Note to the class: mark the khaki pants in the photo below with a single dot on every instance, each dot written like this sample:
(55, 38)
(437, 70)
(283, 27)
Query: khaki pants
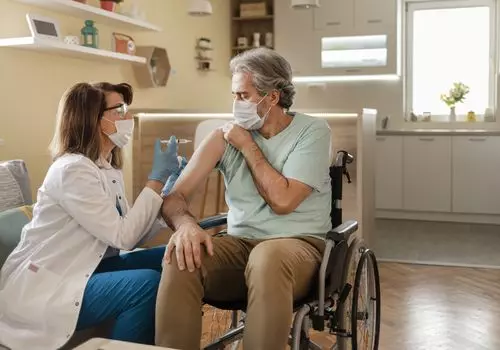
(271, 274)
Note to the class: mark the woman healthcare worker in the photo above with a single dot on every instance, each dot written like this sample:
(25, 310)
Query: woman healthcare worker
(66, 273)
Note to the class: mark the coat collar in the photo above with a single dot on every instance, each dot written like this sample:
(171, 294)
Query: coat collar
(104, 163)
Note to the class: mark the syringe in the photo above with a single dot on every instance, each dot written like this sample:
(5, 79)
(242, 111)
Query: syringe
(178, 141)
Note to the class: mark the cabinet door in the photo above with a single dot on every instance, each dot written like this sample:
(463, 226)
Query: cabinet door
(427, 173)
(476, 174)
(293, 32)
(389, 172)
(375, 16)
(334, 17)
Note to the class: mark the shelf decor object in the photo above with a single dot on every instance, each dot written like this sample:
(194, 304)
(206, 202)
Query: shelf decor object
(123, 43)
(85, 11)
(109, 5)
(203, 54)
(156, 71)
(90, 35)
(43, 27)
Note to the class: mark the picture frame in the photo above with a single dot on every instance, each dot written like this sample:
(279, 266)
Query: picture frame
(43, 27)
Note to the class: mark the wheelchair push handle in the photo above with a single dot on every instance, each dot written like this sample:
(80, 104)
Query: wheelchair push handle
(343, 158)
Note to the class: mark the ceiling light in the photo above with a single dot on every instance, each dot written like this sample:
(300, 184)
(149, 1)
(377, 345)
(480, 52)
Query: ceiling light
(200, 8)
(304, 4)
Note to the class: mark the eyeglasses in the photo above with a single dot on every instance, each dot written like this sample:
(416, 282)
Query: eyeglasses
(121, 109)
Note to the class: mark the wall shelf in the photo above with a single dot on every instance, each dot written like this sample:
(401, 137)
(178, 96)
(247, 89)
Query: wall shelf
(100, 16)
(253, 18)
(56, 47)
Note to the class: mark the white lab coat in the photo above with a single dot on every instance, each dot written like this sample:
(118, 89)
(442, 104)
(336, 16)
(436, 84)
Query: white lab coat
(75, 223)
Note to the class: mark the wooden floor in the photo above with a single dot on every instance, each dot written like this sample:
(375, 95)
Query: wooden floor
(426, 308)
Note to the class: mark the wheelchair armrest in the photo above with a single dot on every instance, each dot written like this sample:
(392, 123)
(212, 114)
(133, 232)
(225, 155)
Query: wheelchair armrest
(213, 221)
(343, 231)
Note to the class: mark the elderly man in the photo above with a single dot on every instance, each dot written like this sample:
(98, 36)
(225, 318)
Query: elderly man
(275, 166)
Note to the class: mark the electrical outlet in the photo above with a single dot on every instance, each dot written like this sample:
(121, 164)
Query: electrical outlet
(2, 142)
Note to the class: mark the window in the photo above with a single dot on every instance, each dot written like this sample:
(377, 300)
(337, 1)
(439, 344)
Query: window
(447, 42)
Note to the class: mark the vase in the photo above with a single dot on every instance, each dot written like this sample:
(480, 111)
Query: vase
(453, 116)
(108, 5)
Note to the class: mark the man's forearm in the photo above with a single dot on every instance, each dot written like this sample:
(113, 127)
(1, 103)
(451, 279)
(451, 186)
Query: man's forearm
(175, 211)
(271, 185)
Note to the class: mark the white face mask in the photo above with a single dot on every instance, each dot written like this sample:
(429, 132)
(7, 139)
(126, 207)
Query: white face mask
(245, 114)
(123, 134)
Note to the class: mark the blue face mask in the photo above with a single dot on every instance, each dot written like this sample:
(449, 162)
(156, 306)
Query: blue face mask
(246, 116)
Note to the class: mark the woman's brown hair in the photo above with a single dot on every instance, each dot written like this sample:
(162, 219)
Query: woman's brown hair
(80, 111)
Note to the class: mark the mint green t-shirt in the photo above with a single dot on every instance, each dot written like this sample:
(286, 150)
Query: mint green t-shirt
(301, 152)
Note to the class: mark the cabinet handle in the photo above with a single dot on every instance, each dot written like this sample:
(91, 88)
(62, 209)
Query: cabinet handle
(333, 23)
(374, 21)
(426, 138)
(477, 139)
(380, 139)
(352, 70)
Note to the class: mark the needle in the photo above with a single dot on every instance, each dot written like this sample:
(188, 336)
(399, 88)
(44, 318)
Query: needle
(178, 141)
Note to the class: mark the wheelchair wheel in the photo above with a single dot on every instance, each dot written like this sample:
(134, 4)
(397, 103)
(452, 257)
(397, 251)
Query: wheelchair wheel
(365, 312)
(344, 310)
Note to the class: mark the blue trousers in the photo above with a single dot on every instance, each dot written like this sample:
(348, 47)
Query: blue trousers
(124, 288)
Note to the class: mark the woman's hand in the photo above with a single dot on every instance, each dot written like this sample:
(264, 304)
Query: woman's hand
(173, 178)
(164, 162)
(187, 241)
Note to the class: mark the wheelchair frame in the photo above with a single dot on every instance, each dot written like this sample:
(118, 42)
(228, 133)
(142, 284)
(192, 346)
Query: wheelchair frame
(329, 303)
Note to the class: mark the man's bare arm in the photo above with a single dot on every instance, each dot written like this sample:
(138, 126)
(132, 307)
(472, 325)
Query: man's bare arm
(282, 194)
(175, 209)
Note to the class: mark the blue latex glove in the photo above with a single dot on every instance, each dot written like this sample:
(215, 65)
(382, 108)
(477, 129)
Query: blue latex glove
(165, 163)
(173, 178)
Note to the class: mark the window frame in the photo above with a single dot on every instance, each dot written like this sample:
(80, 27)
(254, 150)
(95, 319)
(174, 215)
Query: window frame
(410, 7)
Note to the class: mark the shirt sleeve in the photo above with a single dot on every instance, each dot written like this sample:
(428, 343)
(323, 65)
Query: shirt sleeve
(82, 195)
(159, 225)
(309, 161)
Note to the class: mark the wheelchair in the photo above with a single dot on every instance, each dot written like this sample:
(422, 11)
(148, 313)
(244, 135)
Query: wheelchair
(344, 301)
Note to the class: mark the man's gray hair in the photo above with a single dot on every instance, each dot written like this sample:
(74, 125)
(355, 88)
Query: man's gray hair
(269, 71)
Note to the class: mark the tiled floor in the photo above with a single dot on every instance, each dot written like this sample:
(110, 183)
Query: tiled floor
(438, 243)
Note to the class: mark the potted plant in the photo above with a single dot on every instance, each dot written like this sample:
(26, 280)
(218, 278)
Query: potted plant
(109, 5)
(456, 95)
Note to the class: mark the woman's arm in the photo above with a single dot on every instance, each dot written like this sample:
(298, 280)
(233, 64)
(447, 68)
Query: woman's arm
(83, 197)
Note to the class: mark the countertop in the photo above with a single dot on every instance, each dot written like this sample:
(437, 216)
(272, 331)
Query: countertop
(439, 132)
(199, 115)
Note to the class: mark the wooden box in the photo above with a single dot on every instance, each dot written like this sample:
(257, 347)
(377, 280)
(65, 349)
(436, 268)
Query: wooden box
(253, 9)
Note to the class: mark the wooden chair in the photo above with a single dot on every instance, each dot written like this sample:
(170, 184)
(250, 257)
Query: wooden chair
(202, 131)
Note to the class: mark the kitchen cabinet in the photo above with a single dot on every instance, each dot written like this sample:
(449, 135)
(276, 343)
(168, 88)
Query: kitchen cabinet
(375, 16)
(475, 177)
(334, 17)
(293, 37)
(427, 173)
(389, 172)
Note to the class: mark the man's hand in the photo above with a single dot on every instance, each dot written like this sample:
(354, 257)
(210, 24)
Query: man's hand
(237, 136)
(187, 242)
